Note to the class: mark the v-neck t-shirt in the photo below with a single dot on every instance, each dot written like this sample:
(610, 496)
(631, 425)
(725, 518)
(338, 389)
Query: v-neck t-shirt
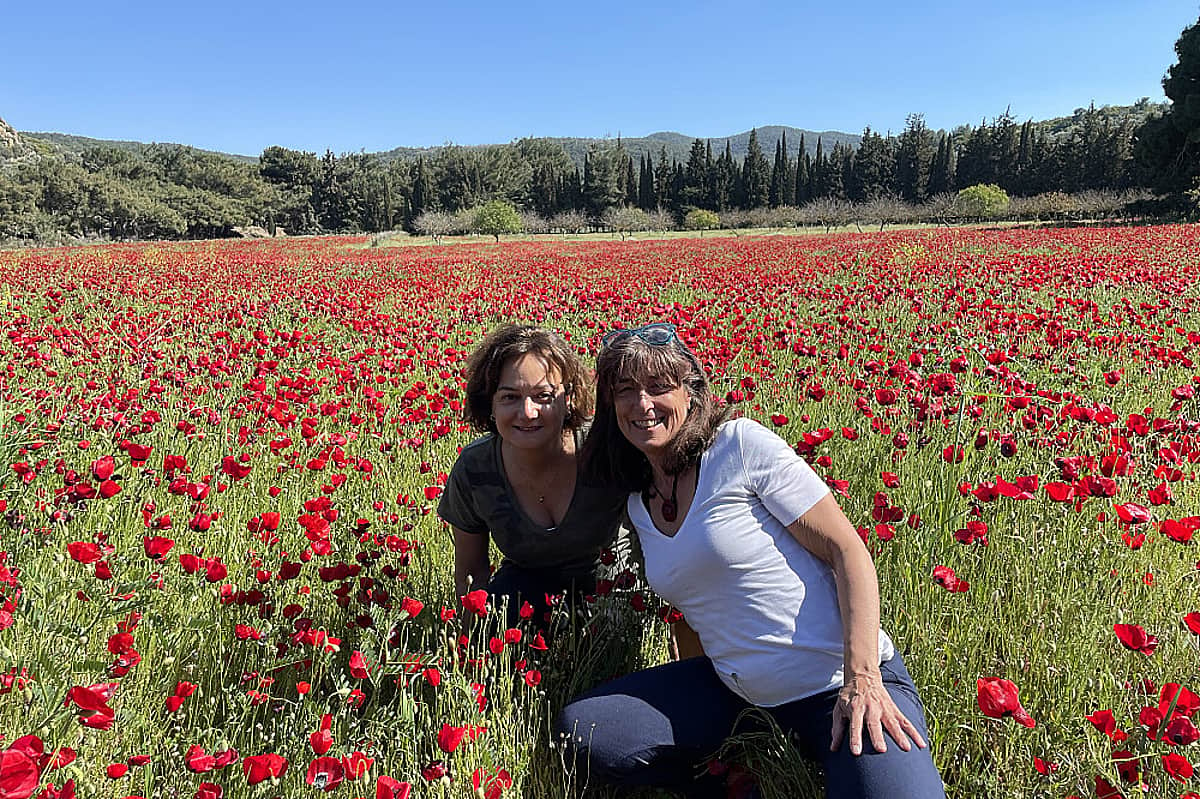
(764, 607)
(478, 499)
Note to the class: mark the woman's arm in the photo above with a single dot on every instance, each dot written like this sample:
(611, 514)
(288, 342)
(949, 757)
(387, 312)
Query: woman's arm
(471, 567)
(826, 532)
(684, 641)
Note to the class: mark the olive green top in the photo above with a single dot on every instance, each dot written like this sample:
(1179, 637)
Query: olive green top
(478, 499)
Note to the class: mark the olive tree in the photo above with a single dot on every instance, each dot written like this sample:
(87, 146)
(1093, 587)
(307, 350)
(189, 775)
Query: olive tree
(496, 217)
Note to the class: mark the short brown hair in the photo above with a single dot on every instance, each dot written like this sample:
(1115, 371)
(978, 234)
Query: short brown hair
(512, 341)
(608, 455)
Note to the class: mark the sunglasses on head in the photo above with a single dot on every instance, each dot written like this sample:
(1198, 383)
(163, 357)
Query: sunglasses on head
(658, 334)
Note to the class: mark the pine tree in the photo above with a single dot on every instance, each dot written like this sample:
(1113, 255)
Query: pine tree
(874, 169)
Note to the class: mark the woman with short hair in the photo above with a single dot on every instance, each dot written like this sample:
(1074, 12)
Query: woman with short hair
(519, 484)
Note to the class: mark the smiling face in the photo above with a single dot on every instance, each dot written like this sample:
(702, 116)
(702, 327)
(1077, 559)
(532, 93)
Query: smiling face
(649, 411)
(530, 403)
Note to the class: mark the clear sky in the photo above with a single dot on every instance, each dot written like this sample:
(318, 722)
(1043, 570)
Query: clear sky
(352, 75)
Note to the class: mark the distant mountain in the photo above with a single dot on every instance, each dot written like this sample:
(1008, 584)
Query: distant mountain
(1135, 114)
(68, 143)
(677, 144)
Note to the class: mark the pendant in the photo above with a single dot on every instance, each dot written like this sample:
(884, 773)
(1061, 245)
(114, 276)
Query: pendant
(669, 510)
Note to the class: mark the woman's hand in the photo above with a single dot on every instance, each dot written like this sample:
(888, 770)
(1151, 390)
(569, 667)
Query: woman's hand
(864, 700)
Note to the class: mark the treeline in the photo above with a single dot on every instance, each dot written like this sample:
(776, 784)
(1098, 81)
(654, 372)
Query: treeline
(177, 192)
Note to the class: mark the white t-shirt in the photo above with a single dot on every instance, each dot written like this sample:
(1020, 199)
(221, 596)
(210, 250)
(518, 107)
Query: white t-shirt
(765, 608)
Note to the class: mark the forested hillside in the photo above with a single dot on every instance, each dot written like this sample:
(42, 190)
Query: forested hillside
(54, 186)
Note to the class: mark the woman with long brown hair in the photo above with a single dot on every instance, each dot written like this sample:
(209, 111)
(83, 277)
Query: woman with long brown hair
(739, 534)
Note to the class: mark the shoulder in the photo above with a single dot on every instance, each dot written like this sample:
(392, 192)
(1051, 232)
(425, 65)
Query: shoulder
(477, 456)
(742, 432)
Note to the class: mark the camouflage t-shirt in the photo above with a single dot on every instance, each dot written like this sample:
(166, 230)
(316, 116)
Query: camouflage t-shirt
(478, 499)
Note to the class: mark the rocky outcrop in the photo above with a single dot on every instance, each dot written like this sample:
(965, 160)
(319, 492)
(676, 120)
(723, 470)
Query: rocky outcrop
(11, 144)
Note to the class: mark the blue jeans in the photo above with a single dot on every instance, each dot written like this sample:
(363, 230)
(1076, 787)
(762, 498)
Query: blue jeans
(658, 726)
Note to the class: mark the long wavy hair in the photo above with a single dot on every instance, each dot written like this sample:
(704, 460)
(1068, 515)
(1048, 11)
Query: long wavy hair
(607, 454)
(512, 341)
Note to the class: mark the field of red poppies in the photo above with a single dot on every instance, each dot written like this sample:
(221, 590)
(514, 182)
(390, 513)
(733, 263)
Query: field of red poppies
(221, 573)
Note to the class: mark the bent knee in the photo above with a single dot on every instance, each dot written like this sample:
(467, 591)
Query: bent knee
(608, 752)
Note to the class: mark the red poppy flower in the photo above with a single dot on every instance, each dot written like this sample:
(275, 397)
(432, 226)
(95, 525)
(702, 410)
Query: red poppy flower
(1060, 492)
(93, 697)
(434, 771)
(322, 739)
(83, 551)
(263, 767)
(1134, 637)
(449, 737)
(197, 760)
(19, 769)
(946, 578)
(1177, 766)
(157, 547)
(475, 602)
(1180, 731)
(1177, 531)
(358, 665)
(1106, 790)
(103, 468)
(998, 698)
(1132, 513)
(411, 606)
(490, 784)
(1104, 721)
(357, 764)
(325, 773)
(391, 788)
(209, 790)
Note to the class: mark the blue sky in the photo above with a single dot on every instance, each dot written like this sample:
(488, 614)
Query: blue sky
(351, 75)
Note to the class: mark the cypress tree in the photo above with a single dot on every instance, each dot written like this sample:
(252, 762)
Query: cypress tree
(778, 173)
(800, 192)
(755, 174)
(817, 182)
(941, 177)
(914, 159)
(789, 174)
(662, 179)
(695, 177)
(422, 191)
(631, 183)
(646, 185)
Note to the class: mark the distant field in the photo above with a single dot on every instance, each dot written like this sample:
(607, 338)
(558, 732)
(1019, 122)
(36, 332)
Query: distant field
(221, 461)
